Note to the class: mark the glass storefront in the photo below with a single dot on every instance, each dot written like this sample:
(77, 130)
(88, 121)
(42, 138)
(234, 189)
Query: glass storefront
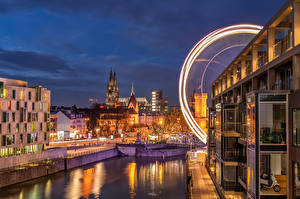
(273, 173)
(296, 127)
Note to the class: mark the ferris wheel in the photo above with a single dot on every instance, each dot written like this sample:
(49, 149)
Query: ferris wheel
(206, 43)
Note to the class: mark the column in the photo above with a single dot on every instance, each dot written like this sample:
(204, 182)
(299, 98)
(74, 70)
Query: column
(228, 79)
(254, 58)
(271, 43)
(243, 67)
(271, 79)
(296, 72)
(234, 74)
(296, 24)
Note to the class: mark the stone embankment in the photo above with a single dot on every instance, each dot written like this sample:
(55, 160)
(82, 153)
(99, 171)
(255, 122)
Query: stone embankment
(152, 150)
(29, 171)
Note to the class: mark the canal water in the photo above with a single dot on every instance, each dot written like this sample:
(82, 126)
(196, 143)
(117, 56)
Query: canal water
(124, 177)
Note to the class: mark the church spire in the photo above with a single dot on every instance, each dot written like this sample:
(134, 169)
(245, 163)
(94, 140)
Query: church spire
(132, 90)
(115, 78)
(110, 76)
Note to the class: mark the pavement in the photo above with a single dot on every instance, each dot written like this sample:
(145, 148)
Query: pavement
(200, 186)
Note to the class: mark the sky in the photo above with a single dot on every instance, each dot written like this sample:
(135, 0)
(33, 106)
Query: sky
(69, 46)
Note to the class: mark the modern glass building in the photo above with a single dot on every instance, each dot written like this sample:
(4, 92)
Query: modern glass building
(24, 117)
(254, 133)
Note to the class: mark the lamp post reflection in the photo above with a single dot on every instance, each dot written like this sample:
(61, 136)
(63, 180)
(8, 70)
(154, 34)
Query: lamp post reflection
(73, 190)
(99, 178)
(132, 179)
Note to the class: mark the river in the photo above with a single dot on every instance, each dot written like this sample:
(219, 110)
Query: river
(123, 177)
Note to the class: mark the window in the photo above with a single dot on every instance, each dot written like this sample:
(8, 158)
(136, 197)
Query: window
(21, 138)
(14, 116)
(41, 126)
(0, 128)
(45, 136)
(8, 128)
(297, 180)
(273, 167)
(41, 106)
(33, 106)
(25, 104)
(14, 94)
(29, 95)
(296, 127)
(17, 128)
(25, 127)
(29, 138)
(22, 95)
(3, 116)
(8, 105)
(272, 123)
(18, 105)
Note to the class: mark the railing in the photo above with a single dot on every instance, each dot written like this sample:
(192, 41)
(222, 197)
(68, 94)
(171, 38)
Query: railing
(232, 155)
(231, 186)
(282, 45)
(262, 59)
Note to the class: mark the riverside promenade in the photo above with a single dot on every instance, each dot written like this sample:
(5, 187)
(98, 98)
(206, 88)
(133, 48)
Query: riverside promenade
(199, 183)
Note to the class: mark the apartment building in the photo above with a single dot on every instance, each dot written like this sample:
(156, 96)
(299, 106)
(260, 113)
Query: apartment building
(254, 136)
(24, 116)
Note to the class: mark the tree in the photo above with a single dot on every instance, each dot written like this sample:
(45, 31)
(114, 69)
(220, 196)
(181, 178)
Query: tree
(175, 122)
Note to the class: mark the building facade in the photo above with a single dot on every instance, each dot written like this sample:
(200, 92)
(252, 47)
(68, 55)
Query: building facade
(158, 103)
(254, 122)
(24, 116)
(68, 123)
(112, 90)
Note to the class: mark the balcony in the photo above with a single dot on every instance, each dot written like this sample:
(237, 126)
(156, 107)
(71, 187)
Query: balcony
(232, 155)
(230, 186)
(283, 43)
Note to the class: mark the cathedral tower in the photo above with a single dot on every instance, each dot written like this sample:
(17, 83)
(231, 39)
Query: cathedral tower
(112, 90)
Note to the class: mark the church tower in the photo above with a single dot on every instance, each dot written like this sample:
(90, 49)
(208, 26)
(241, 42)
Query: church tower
(112, 90)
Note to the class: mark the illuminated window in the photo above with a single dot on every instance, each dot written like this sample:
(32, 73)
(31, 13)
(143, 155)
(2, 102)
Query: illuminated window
(32, 127)
(9, 105)
(14, 94)
(4, 93)
(46, 96)
(41, 106)
(22, 95)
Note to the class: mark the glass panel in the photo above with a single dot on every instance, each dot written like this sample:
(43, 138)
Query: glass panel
(251, 171)
(230, 120)
(272, 174)
(272, 123)
(297, 180)
(296, 127)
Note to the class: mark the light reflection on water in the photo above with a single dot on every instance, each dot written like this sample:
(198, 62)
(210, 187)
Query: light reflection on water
(124, 177)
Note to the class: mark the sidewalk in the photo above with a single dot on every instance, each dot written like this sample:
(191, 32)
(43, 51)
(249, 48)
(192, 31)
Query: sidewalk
(200, 185)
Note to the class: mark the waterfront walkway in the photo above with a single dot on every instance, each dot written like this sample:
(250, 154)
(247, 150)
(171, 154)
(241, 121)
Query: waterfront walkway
(200, 185)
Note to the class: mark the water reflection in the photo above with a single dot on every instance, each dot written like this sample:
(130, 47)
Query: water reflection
(124, 177)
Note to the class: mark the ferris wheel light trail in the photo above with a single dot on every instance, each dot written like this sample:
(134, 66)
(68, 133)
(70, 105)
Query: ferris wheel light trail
(211, 60)
(190, 59)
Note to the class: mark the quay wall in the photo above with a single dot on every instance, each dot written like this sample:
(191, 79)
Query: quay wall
(127, 150)
(31, 171)
(161, 153)
(90, 158)
(9, 162)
